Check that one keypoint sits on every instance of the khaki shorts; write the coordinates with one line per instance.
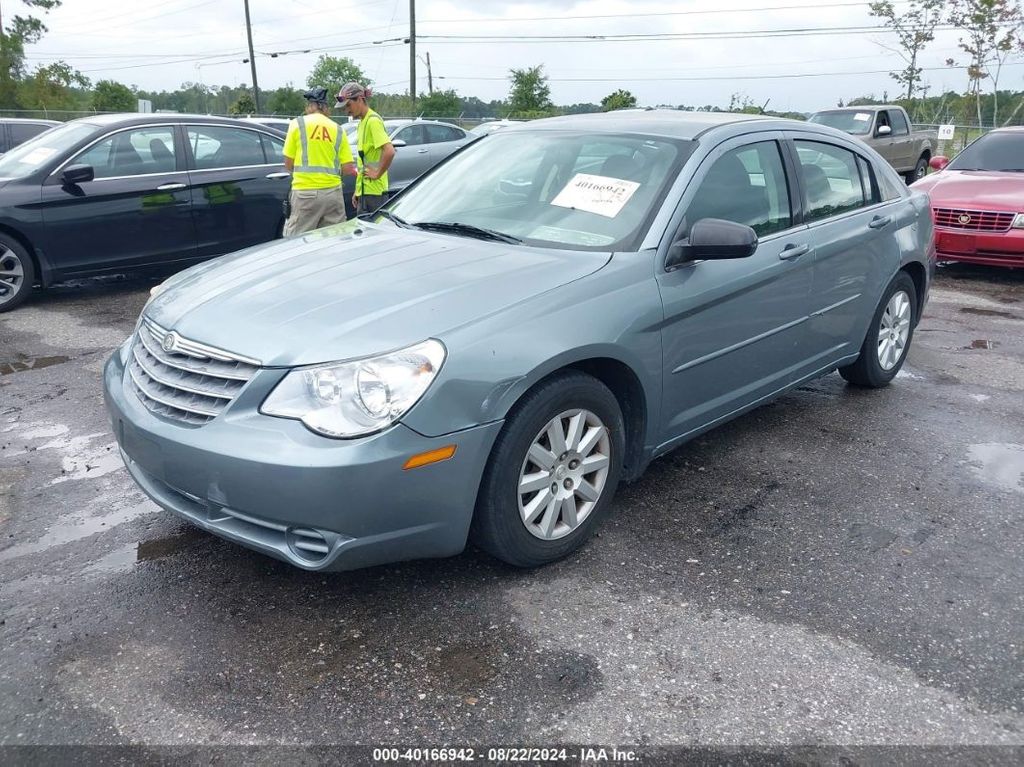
(313, 208)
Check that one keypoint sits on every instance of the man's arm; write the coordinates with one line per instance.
(289, 164)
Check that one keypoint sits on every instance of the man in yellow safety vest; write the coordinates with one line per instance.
(316, 153)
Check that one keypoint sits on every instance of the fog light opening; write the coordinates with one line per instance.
(307, 544)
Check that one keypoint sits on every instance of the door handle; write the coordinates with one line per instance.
(279, 175)
(172, 187)
(794, 251)
(422, 151)
(880, 222)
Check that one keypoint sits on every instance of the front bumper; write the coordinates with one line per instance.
(274, 486)
(989, 248)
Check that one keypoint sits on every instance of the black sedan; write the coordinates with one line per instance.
(113, 193)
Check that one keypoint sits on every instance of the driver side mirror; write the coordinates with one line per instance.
(398, 142)
(77, 174)
(713, 239)
(938, 162)
(883, 130)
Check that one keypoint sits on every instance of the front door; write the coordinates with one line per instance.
(735, 330)
(137, 210)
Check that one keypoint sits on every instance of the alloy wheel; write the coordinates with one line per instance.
(12, 275)
(894, 330)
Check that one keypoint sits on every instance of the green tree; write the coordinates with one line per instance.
(243, 105)
(286, 101)
(440, 104)
(990, 31)
(332, 72)
(915, 28)
(530, 95)
(18, 32)
(109, 96)
(52, 87)
(619, 100)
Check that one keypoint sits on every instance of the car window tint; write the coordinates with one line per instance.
(22, 132)
(870, 184)
(746, 185)
(439, 133)
(220, 147)
(899, 123)
(131, 153)
(832, 180)
(273, 149)
(412, 135)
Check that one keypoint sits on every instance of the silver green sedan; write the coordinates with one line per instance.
(526, 326)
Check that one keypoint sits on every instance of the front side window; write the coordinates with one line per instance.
(135, 152)
(220, 147)
(556, 189)
(748, 186)
(412, 136)
(832, 180)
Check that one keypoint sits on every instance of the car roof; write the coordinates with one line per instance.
(860, 107)
(671, 123)
(1009, 129)
(142, 118)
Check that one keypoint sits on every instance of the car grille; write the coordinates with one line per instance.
(973, 220)
(192, 383)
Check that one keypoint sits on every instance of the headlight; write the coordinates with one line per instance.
(1018, 222)
(351, 399)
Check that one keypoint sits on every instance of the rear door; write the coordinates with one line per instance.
(444, 139)
(854, 232)
(137, 210)
(238, 185)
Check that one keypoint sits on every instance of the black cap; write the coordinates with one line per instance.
(319, 95)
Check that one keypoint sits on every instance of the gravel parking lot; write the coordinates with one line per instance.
(840, 566)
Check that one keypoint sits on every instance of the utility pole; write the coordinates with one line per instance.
(412, 54)
(430, 76)
(252, 59)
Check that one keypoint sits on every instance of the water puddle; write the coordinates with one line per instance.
(910, 375)
(23, 363)
(982, 343)
(81, 463)
(999, 464)
(125, 558)
(77, 529)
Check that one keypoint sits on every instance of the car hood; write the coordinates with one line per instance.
(975, 189)
(355, 290)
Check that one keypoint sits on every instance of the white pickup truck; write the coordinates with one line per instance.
(886, 129)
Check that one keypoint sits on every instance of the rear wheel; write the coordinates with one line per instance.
(888, 341)
(17, 273)
(552, 473)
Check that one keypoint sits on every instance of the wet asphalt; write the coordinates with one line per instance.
(839, 566)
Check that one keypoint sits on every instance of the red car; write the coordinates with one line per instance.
(978, 201)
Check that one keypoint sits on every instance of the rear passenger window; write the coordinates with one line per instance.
(220, 147)
(437, 134)
(899, 123)
(832, 180)
(748, 186)
(273, 149)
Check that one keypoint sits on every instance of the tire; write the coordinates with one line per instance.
(536, 527)
(879, 362)
(920, 170)
(17, 273)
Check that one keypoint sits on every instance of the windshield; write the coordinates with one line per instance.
(993, 151)
(582, 191)
(35, 153)
(857, 123)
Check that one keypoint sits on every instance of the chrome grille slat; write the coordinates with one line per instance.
(980, 220)
(183, 383)
(192, 383)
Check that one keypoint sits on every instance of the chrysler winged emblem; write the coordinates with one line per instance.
(170, 342)
(964, 218)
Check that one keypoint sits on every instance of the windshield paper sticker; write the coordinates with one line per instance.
(862, 116)
(596, 194)
(42, 154)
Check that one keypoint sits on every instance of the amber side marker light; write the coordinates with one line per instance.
(432, 456)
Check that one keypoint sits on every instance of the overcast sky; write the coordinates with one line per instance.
(160, 44)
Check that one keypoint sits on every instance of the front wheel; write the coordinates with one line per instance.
(17, 273)
(888, 340)
(552, 473)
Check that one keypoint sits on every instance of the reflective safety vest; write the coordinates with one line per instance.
(322, 149)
